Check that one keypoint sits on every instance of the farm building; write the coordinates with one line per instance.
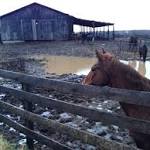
(38, 22)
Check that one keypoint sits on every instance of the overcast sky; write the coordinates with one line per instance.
(126, 14)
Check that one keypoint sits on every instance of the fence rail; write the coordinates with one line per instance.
(127, 96)
(121, 95)
(37, 136)
(92, 114)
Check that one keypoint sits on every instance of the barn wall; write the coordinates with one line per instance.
(0, 29)
(35, 22)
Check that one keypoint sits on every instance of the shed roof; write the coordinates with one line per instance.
(90, 23)
(77, 21)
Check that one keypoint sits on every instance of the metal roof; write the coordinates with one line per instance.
(90, 23)
(34, 4)
(77, 21)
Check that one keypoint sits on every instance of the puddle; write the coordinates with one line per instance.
(81, 66)
(65, 65)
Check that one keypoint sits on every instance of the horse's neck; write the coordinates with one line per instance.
(122, 76)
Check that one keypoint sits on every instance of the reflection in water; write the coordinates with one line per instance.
(139, 66)
(79, 66)
(133, 64)
(142, 68)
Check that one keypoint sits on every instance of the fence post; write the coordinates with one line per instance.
(29, 107)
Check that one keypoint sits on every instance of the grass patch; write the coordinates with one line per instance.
(5, 145)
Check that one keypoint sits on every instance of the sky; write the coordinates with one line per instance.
(126, 14)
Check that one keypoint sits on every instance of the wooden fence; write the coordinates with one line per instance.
(29, 99)
(126, 46)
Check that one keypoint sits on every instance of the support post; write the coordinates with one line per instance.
(108, 33)
(113, 32)
(100, 33)
(104, 33)
(93, 38)
(29, 124)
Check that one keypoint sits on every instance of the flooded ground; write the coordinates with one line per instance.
(81, 65)
(66, 65)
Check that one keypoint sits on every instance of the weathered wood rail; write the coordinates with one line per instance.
(29, 99)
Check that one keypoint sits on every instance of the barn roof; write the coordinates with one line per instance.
(77, 21)
(34, 4)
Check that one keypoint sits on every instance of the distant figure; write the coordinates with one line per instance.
(143, 52)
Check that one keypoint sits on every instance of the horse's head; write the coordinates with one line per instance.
(99, 74)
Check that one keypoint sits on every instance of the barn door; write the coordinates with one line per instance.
(45, 30)
(26, 29)
(40, 29)
(34, 23)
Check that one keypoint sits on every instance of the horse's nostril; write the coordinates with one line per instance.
(86, 82)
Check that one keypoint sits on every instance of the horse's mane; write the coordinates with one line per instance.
(130, 75)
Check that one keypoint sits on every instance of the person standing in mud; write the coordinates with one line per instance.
(143, 52)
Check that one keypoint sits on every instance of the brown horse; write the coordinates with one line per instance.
(111, 72)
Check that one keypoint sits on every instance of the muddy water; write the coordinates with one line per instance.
(65, 65)
(78, 65)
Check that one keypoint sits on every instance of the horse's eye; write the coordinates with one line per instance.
(93, 69)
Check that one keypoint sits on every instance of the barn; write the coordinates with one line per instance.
(36, 22)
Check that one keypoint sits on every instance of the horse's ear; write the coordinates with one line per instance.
(103, 51)
(99, 55)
